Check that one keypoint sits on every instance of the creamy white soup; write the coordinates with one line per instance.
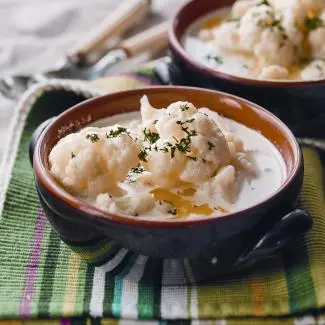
(262, 39)
(171, 163)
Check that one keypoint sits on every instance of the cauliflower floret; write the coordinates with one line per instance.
(240, 7)
(181, 110)
(208, 146)
(90, 162)
(245, 162)
(188, 146)
(225, 177)
(164, 168)
(220, 189)
(252, 25)
(316, 40)
(149, 114)
(274, 72)
(314, 71)
(226, 36)
(134, 205)
(274, 48)
(197, 171)
(167, 125)
(292, 15)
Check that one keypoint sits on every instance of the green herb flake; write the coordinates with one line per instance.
(143, 155)
(184, 107)
(305, 60)
(319, 68)
(138, 169)
(164, 149)
(233, 20)
(218, 59)
(186, 121)
(117, 132)
(173, 211)
(313, 23)
(211, 145)
(73, 155)
(264, 2)
(93, 137)
(151, 137)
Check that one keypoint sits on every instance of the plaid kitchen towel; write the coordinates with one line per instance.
(41, 277)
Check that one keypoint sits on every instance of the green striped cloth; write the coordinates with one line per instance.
(42, 278)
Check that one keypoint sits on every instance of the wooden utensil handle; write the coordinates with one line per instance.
(117, 22)
(150, 40)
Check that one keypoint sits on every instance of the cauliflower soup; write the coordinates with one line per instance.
(170, 163)
(262, 39)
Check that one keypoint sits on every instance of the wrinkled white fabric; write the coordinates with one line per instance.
(35, 34)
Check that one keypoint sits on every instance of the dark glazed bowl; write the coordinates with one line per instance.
(249, 234)
(295, 102)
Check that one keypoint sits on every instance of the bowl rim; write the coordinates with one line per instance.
(176, 46)
(43, 176)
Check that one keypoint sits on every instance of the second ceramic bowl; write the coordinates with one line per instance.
(295, 102)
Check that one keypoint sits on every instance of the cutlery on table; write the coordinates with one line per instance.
(117, 22)
(151, 40)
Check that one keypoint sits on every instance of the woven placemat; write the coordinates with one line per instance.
(42, 278)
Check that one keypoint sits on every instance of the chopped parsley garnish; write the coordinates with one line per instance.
(182, 145)
(313, 23)
(211, 145)
(264, 2)
(232, 19)
(117, 132)
(73, 155)
(184, 107)
(137, 170)
(218, 59)
(155, 121)
(173, 211)
(165, 149)
(305, 59)
(93, 137)
(143, 155)
(151, 137)
(184, 122)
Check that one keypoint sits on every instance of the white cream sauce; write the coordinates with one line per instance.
(233, 62)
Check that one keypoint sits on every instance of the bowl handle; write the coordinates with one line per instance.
(292, 226)
(36, 134)
(161, 71)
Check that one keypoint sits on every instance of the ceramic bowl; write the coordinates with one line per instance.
(248, 234)
(295, 102)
